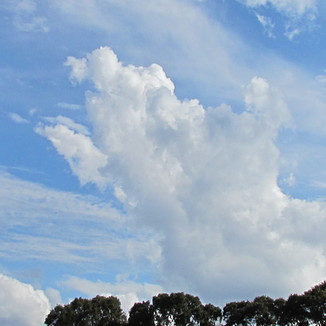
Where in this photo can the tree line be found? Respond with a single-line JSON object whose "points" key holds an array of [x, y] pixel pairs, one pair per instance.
{"points": [[180, 309]]}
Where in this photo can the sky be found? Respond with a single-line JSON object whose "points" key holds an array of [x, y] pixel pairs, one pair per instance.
{"points": [[159, 146]]}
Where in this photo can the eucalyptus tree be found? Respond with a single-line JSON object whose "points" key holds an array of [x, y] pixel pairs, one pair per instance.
{"points": [[99, 311]]}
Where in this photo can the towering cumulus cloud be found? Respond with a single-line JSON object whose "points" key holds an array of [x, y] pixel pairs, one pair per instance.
{"points": [[205, 179]]}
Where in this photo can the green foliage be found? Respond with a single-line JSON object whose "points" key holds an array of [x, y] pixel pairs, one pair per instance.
{"points": [[176, 309], [179, 309], [294, 312], [141, 314], [265, 311], [315, 304], [99, 311], [238, 313], [298, 310], [210, 315]]}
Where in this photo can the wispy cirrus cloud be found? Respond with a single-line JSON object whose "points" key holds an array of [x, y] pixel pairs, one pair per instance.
{"points": [[292, 8], [300, 14], [15, 117], [47, 225], [69, 106], [267, 24], [25, 15]]}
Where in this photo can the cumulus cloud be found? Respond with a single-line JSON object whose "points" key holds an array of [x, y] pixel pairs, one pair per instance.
{"points": [[68, 123], [21, 304], [166, 39], [83, 157], [204, 179]]}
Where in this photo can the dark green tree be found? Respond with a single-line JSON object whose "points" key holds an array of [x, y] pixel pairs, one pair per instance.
{"points": [[162, 309], [279, 310], [315, 304], [141, 314], [264, 311], [181, 309], [240, 313], [99, 311], [295, 312], [211, 315]]}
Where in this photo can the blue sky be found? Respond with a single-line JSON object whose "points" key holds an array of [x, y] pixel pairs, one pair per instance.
{"points": [[151, 146]]}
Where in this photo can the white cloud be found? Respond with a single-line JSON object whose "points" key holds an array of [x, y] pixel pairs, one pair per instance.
{"points": [[69, 106], [120, 194], [291, 32], [290, 180], [204, 179], [288, 7], [60, 120], [54, 296], [78, 72], [66, 228], [300, 14], [319, 184], [84, 158], [21, 304], [25, 15], [216, 67], [206, 60], [32, 111], [26, 6], [128, 292], [321, 79], [17, 118], [166, 39], [267, 103], [267, 24], [34, 24]]}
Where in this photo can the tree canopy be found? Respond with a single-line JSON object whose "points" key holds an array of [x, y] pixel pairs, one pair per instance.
{"points": [[180, 309], [99, 311]]}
